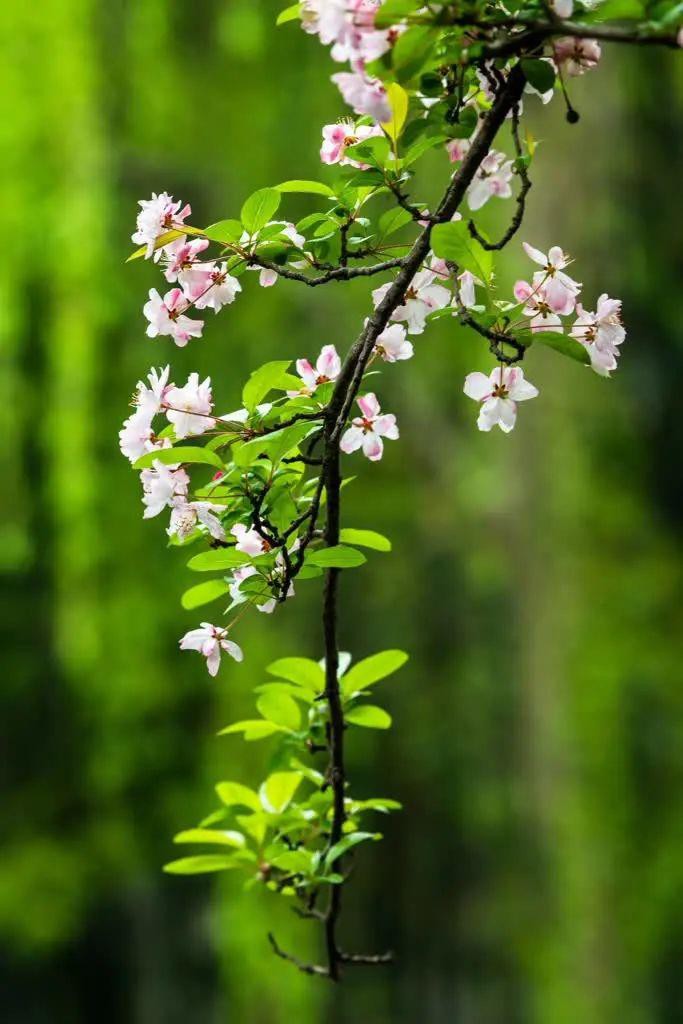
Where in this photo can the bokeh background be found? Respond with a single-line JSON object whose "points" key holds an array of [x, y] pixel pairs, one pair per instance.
{"points": [[536, 873]]}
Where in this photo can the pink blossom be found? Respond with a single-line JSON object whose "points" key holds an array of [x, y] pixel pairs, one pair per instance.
{"points": [[161, 486], [367, 431], [187, 515], [576, 56], [338, 137], [422, 297], [188, 408], [214, 287], [210, 640], [492, 179], [498, 394], [560, 289], [601, 332], [466, 291], [457, 149], [157, 216], [562, 8], [136, 436], [249, 541], [150, 399], [327, 368], [363, 94], [166, 317], [392, 344], [181, 261], [539, 306]]}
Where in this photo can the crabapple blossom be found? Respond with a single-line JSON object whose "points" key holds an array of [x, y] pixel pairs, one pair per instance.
{"points": [[576, 56], [181, 261], [367, 431], [210, 640], [422, 297], [562, 8], [498, 394], [457, 149], [327, 368], [601, 333], [150, 399], [538, 306], [363, 94], [249, 541], [492, 179], [161, 485], [136, 437], [187, 515], [338, 137], [215, 288], [188, 408], [392, 344], [560, 289], [166, 317], [157, 216]]}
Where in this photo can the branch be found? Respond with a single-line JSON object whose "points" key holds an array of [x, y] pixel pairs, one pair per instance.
{"points": [[518, 217], [335, 274], [535, 32]]}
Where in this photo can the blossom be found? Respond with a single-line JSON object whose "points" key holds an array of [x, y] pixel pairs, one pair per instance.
{"points": [[560, 289], [327, 368], [166, 317], [150, 399], [181, 261], [267, 275], [188, 408], [157, 216], [457, 149], [498, 394], [577, 56], [601, 332], [562, 8], [421, 298], [363, 94], [161, 486], [367, 431], [214, 287], [249, 541], [338, 137], [392, 344], [187, 515], [136, 436], [466, 292], [492, 179], [210, 640], [539, 306], [245, 572]]}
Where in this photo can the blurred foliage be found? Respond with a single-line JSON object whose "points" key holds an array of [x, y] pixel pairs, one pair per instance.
{"points": [[535, 873]]}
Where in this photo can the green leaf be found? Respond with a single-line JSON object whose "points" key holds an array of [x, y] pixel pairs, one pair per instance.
{"points": [[280, 709], [617, 10], [224, 231], [336, 557], [302, 671], [291, 13], [200, 865], [411, 51], [392, 11], [277, 791], [262, 381], [168, 236], [453, 242], [393, 220], [365, 539], [216, 559], [347, 842], [210, 835], [169, 456], [253, 729], [369, 716], [373, 151], [275, 446], [540, 74], [562, 343], [203, 593], [370, 670], [294, 861], [259, 208], [398, 101], [235, 794], [314, 188]]}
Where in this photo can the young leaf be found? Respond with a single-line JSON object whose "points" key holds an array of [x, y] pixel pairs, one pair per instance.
{"points": [[277, 791], [210, 835], [235, 794], [347, 842], [302, 671], [562, 343], [280, 709], [169, 456], [369, 671], [262, 381], [314, 188], [398, 101], [216, 559], [200, 865], [392, 11], [259, 208], [411, 51], [453, 242], [291, 13], [336, 557], [365, 539], [224, 231], [253, 729], [275, 446], [203, 593], [369, 716], [168, 236]]}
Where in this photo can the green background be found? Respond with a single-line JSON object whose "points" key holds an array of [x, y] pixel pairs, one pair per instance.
{"points": [[536, 872]]}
